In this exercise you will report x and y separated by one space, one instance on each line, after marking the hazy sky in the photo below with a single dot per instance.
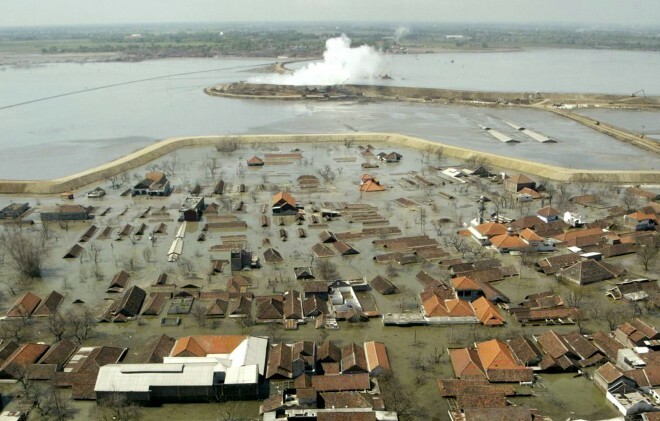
73 12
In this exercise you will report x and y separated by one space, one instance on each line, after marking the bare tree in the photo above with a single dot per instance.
327 173
116 181
146 253
81 323
615 317
326 270
117 407
26 252
57 326
457 241
12 330
211 166
95 251
629 200
199 313
647 256
398 398
576 296
170 166
53 405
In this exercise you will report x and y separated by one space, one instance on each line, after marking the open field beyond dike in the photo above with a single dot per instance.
164 147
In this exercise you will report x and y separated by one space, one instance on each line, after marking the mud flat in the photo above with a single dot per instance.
164 147
403 93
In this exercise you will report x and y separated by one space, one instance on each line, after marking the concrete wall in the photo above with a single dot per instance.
157 150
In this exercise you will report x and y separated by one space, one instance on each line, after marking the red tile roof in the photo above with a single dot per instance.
200 345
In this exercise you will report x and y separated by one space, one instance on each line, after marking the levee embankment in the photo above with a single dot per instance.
157 150
404 93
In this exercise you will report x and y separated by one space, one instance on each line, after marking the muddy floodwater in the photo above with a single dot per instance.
557 396
56 119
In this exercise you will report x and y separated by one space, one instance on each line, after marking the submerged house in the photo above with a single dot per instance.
284 204
154 183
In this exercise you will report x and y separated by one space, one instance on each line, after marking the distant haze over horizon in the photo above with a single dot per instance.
601 13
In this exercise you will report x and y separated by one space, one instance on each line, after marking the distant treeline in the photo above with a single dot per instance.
310 41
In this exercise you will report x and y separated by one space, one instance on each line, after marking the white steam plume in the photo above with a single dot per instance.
400 32
341 64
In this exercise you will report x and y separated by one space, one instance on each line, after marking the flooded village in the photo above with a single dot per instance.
329 281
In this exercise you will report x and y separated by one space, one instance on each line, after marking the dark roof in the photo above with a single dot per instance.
311 287
14 367
161 348
270 308
507 413
273 256
24 306
384 285
586 272
580 345
131 302
280 361
313 306
524 350
49 305
328 351
353 359
607 345
552 344
42 371
335 382
59 354
155 303
337 400
119 281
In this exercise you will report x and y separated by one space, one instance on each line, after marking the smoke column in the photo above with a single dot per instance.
341 64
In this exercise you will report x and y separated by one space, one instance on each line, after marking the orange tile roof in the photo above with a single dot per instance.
572 235
466 364
508 241
201 345
487 312
155 176
495 354
529 235
459 308
28 354
490 229
285 197
371 186
521 179
465 283
641 216
548 211
376 356
367 177
533 193
434 307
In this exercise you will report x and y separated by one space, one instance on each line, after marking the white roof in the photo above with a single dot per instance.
247 374
141 377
